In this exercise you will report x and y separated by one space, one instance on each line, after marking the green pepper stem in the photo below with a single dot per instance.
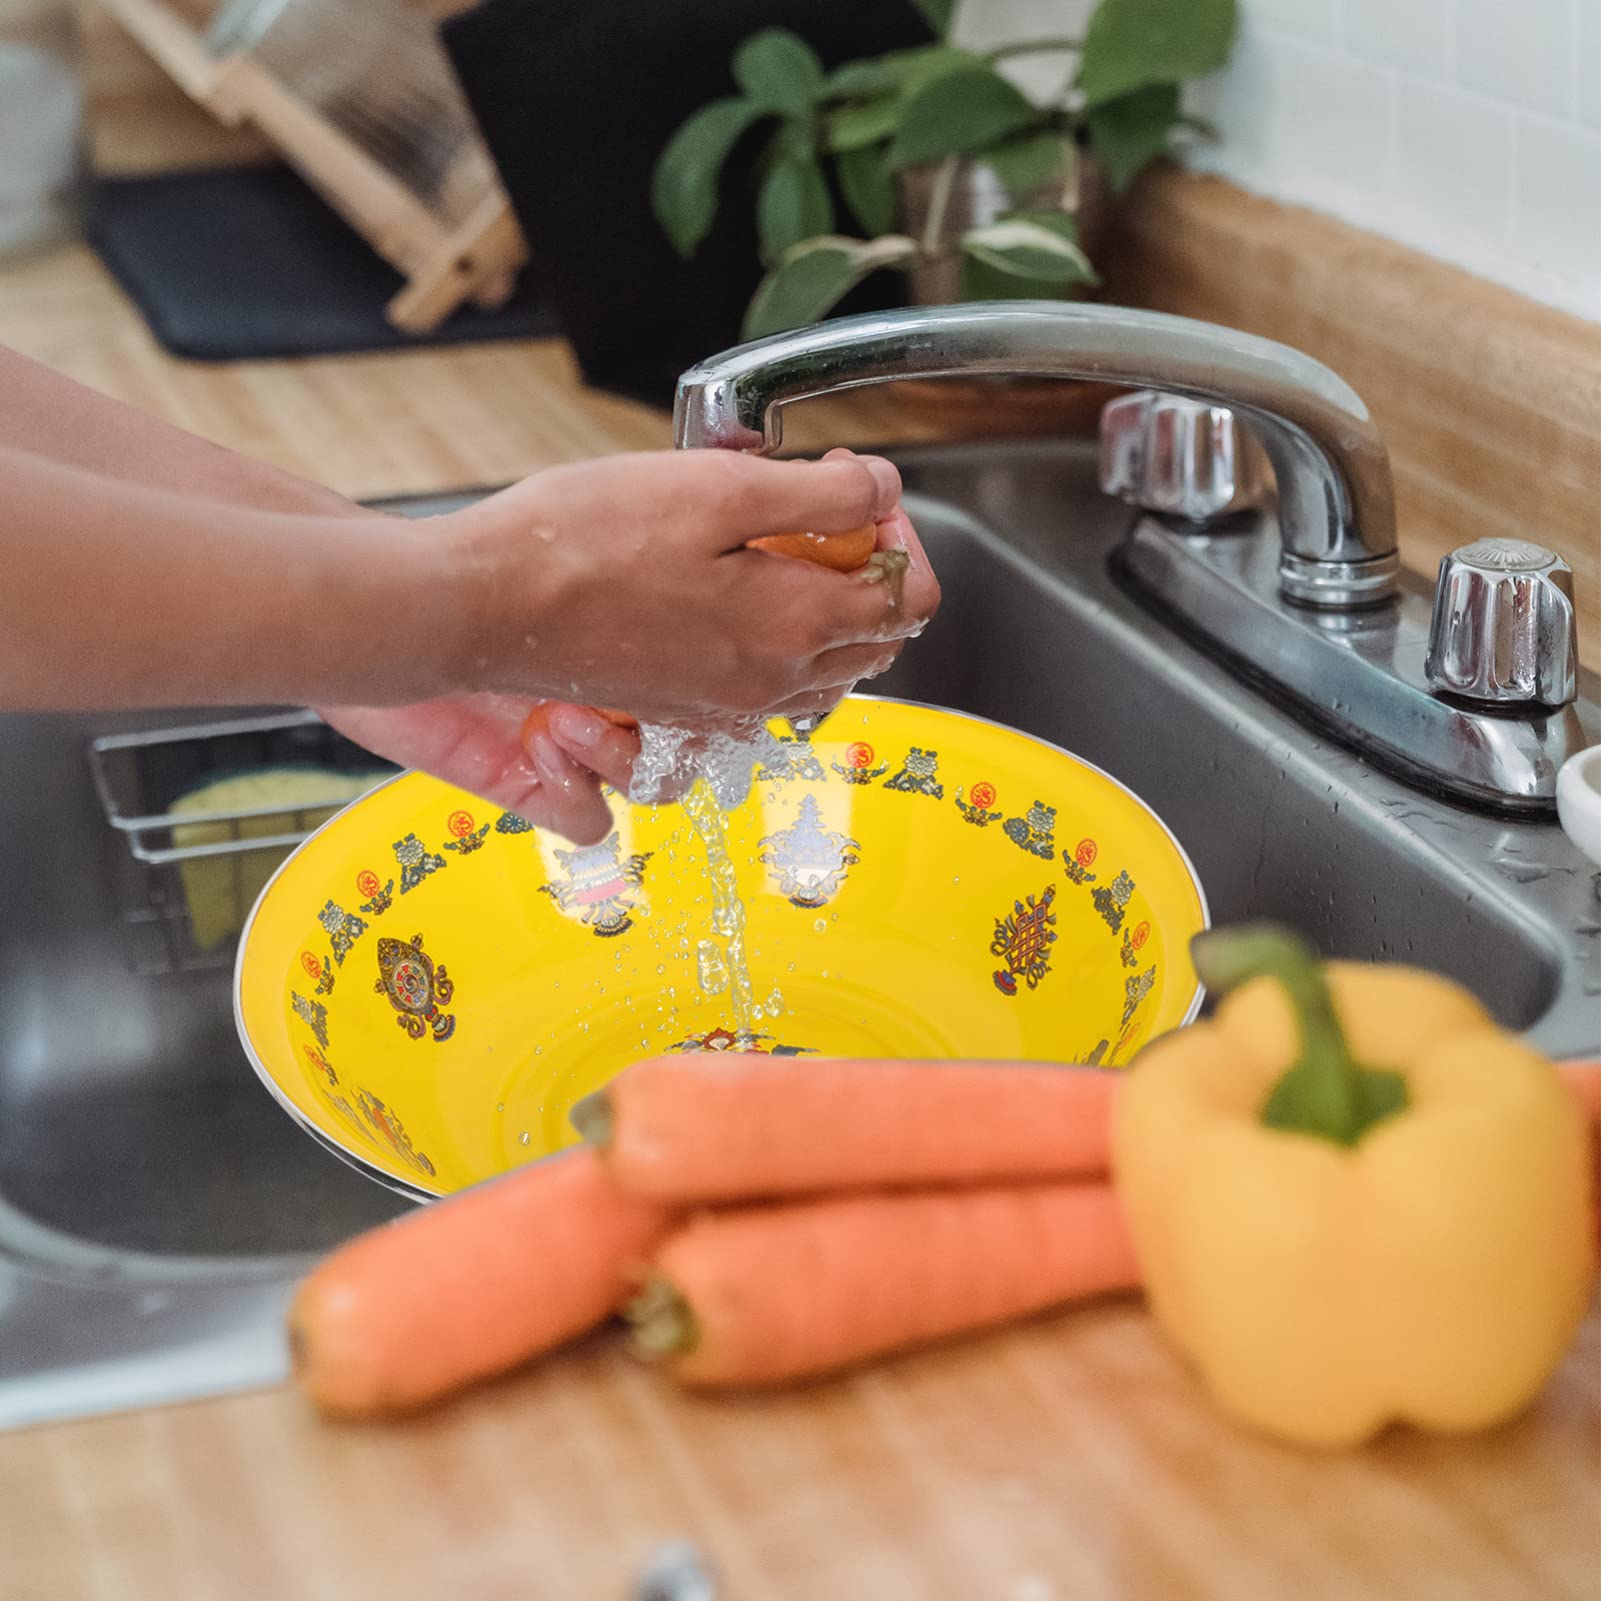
1325 1091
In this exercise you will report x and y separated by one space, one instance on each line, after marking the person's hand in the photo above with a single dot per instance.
626 582
475 742
553 774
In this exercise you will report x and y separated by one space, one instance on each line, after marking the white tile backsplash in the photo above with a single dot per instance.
1470 129
1415 35
1453 158
1559 194
1523 53
1589 63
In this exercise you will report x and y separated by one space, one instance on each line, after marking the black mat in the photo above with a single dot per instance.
248 262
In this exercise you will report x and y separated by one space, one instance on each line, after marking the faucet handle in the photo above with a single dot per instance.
1181 457
1502 629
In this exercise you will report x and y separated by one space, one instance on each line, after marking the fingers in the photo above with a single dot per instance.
736 498
570 799
920 594
595 744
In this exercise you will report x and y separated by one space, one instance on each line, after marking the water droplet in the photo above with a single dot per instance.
523 1138
661 967
500 1106
821 925
775 1002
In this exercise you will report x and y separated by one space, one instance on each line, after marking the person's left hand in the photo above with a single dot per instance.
475 741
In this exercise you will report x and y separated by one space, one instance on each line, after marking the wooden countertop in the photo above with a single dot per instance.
1065 1461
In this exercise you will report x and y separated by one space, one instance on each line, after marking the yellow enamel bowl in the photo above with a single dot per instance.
429 984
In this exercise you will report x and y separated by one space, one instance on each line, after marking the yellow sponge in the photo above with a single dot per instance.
220 890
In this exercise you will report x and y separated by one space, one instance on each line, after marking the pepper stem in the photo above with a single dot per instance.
1325 1092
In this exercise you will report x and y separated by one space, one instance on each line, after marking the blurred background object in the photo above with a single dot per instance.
357 96
41 127
577 98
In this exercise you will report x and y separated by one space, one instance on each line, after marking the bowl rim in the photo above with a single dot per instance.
418 1192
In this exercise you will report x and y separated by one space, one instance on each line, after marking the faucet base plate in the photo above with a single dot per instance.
1358 674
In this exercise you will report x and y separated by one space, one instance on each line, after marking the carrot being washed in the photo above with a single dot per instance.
732 1127
766 1295
468 1287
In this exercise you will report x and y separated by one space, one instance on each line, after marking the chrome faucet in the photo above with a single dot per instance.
1472 694
1336 504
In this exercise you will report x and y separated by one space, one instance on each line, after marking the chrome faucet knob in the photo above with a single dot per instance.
1503 629
1181 457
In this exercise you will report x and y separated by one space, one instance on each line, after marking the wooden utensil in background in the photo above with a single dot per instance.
360 98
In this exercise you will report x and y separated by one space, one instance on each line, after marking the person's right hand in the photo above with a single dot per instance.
626 582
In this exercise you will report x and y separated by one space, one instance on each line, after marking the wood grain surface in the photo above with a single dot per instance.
1069 1460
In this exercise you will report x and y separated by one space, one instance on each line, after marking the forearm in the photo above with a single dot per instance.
121 595
48 415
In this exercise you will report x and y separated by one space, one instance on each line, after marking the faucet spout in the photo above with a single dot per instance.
1336 500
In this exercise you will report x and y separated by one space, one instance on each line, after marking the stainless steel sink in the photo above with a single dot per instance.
155 1205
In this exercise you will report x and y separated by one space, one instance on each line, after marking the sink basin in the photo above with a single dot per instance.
155 1205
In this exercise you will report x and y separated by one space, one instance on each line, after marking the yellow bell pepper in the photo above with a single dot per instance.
1354 1198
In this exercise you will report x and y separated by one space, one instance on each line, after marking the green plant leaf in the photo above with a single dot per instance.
683 191
1026 248
1028 162
865 123
958 113
793 204
1132 43
1132 131
1061 223
868 186
779 71
861 80
937 14
813 277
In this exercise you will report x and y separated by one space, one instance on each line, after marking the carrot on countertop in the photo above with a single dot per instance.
729 1128
1584 1079
768 1295
468 1287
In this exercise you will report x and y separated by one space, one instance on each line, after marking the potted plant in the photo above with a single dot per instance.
932 163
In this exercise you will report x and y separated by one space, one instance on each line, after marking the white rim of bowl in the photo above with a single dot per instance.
418 1192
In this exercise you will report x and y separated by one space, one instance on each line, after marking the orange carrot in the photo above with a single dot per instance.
844 552
767 1295
1584 1079
730 1128
538 720
468 1287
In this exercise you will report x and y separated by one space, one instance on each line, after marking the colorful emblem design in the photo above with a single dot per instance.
313 1014
416 988
416 862
380 895
322 1064
316 968
916 777
343 929
377 1119
722 1039
1133 943
464 838
1077 866
792 758
859 768
1135 989
1111 900
600 886
1035 833
975 809
809 861
511 823
1023 940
